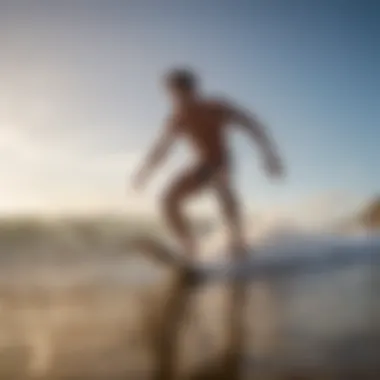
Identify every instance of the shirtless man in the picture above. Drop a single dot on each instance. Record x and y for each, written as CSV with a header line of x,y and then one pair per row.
x,y
204,123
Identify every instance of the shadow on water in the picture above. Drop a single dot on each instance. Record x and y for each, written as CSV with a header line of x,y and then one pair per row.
x,y
228,364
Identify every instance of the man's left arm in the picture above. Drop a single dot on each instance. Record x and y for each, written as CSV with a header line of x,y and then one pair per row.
x,y
259,133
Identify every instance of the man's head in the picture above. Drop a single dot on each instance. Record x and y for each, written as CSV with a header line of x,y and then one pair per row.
x,y
182,84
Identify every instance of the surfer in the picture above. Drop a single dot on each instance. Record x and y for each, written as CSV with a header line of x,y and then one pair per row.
x,y
204,122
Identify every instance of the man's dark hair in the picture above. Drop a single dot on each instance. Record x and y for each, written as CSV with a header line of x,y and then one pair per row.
x,y
183,79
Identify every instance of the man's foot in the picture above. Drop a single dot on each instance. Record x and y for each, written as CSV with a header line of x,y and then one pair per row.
x,y
189,275
239,249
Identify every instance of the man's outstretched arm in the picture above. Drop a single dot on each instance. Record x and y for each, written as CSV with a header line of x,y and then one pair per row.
x,y
260,134
157,154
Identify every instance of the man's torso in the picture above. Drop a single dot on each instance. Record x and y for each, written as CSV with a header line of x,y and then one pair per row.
x,y
204,124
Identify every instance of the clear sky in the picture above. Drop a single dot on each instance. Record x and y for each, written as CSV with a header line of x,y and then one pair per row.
x,y
80,95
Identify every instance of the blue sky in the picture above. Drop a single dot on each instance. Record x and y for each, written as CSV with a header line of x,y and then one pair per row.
x,y
80,98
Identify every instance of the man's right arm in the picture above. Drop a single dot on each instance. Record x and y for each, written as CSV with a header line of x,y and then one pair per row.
x,y
158,152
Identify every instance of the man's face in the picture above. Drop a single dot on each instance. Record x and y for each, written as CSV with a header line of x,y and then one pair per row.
x,y
178,95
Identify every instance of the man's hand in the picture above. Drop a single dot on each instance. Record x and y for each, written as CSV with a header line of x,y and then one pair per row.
x,y
139,180
273,166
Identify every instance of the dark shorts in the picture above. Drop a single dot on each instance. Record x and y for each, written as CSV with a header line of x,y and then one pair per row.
x,y
206,172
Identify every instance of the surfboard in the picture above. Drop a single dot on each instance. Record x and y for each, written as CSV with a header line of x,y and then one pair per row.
x,y
160,252
267,262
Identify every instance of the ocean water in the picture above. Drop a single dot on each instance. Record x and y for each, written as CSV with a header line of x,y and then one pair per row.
x,y
75,302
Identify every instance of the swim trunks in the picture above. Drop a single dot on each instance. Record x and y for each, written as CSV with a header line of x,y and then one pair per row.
x,y
207,172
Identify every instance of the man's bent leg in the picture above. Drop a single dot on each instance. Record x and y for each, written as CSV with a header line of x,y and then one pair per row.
x,y
180,190
231,210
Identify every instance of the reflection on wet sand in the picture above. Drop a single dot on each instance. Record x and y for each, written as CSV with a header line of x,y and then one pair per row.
x,y
95,332
320,327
